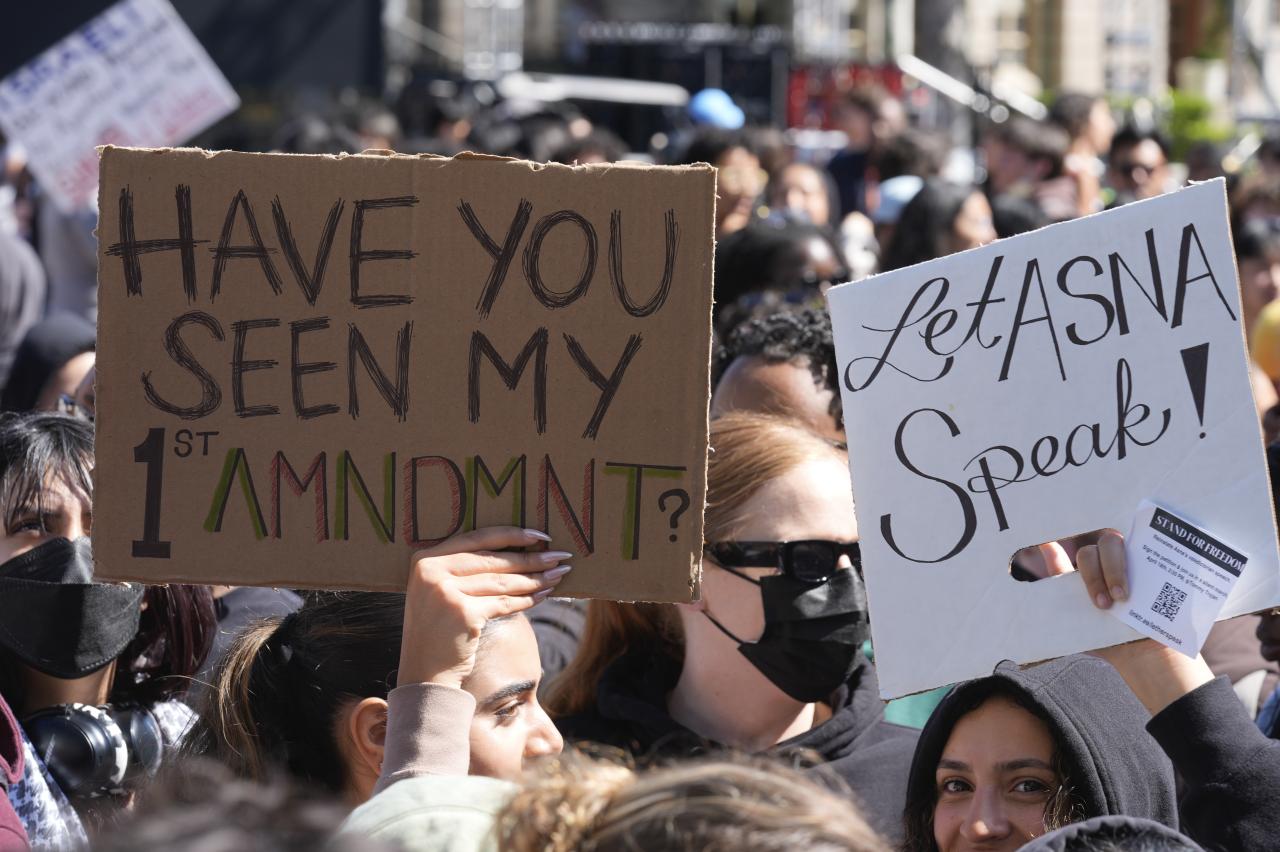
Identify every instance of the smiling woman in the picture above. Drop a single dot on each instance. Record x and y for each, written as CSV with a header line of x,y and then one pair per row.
x,y
1008,757
999,778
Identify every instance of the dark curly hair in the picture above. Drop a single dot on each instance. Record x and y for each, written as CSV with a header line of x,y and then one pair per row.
x,y
785,336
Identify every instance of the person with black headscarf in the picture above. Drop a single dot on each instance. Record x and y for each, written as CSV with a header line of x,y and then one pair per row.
x,y
51,361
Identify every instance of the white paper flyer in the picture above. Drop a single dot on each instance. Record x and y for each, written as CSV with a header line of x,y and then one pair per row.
x,y
1179,578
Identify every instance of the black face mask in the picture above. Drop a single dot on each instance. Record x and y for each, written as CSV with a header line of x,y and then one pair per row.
x,y
812,633
55,619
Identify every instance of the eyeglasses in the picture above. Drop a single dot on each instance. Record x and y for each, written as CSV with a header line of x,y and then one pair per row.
x,y
1128,168
67,404
811,561
840,276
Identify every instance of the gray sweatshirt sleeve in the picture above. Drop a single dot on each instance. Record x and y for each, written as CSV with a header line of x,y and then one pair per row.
x,y
428,732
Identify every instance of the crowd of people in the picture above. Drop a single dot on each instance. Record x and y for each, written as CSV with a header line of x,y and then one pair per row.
x,y
477,710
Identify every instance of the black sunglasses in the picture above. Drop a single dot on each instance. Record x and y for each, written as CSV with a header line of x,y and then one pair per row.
x,y
811,561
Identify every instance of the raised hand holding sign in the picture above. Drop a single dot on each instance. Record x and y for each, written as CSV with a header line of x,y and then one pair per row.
x,y
1032,390
425,345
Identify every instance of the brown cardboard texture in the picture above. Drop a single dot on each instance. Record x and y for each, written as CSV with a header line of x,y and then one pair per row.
x,y
310,367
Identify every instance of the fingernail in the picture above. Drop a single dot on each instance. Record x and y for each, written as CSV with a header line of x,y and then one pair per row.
x,y
553,557
538,534
542,595
556,573
1102,601
1118,593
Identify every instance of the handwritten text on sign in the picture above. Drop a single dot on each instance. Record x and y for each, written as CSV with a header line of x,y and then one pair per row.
x,y
1034,389
310,367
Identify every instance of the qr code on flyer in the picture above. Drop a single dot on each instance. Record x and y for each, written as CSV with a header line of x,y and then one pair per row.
x,y
1168,602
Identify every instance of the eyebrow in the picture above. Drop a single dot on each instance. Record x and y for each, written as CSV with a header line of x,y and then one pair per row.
x,y
44,503
509,691
1007,766
1024,763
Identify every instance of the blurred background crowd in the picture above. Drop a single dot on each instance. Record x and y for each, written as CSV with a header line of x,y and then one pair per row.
x,y
851,136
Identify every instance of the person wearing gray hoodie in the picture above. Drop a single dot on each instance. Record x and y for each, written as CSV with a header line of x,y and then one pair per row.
x,y
1098,759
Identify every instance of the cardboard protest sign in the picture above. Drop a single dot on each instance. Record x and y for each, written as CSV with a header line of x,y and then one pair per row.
x,y
134,75
310,367
1034,389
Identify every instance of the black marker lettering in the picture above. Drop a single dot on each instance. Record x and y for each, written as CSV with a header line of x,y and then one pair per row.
x,y
502,254
299,368
1033,270
397,395
1107,310
309,282
130,248
1184,261
211,394
535,349
533,251
240,366
360,255
659,297
904,322
966,505
608,386
1156,295
224,251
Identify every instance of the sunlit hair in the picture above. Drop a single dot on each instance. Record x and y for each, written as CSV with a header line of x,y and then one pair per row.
x,y
748,450
36,449
572,802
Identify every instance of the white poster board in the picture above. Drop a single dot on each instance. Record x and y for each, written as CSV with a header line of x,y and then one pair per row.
x,y
1034,389
133,76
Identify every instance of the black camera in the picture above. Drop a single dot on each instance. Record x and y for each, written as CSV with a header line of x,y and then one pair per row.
x,y
96,751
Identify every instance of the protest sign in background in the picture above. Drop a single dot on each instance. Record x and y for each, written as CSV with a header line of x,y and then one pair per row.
x,y
1031,390
133,75
309,367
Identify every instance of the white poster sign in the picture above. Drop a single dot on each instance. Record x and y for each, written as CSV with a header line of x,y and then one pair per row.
x,y
133,76
1035,389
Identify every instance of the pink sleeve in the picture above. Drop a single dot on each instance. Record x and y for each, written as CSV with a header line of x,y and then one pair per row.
x,y
428,732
